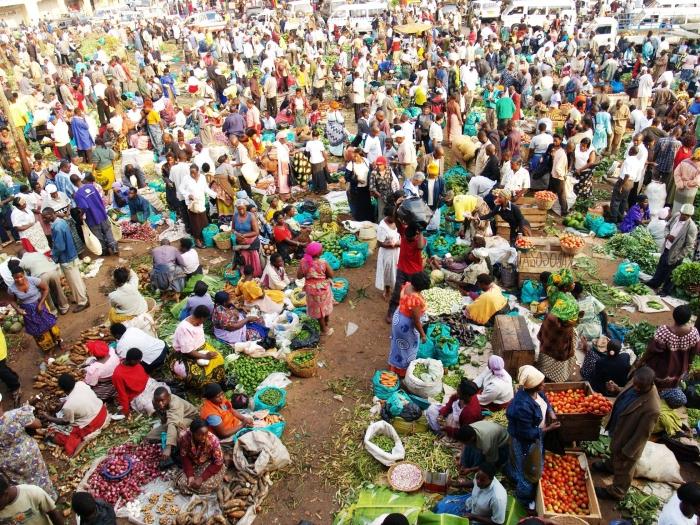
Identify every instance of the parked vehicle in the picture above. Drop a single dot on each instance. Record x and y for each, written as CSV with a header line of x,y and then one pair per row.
x,y
536,12
206,20
358,17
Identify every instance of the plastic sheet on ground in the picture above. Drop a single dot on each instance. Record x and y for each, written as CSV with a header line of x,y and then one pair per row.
x,y
338,201
642,303
94,269
174,231
500,250
139,510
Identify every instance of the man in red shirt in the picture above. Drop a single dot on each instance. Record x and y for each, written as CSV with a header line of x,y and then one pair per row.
x,y
410,261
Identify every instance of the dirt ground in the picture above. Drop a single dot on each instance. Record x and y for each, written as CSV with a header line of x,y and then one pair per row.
x,y
316,407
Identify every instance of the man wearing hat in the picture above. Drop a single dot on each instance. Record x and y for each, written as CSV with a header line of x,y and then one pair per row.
x,y
510,213
681,235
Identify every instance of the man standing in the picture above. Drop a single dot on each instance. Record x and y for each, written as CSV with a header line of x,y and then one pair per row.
x,y
560,168
620,115
270,92
38,265
646,84
681,235
632,421
665,150
88,200
175,414
629,173
64,253
505,109
358,94
406,157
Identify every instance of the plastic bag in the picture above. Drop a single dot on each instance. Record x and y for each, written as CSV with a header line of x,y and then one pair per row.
x,y
276,379
269,452
426,350
353,259
658,463
286,325
332,260
259,404
116,229
448,353
340,287
439,245
434,223
428,385
593,221
92,243
395,403
382,428
627,274
606,229
346,241
381,391
531,292
308,335
414,211
359,246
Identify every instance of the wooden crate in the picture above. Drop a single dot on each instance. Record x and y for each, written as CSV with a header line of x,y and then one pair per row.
x,y
511,340
531,212
576,427
594,518
545,256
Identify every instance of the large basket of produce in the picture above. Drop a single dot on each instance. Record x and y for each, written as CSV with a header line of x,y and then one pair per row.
x,y
523,244
405,477
545,199
302,363
270,398
223,240
571,244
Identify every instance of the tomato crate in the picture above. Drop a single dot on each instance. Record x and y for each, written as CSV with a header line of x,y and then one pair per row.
x,y
576,427
512,341
546,255
594,516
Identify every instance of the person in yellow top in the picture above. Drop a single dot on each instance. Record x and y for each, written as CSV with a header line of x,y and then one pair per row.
x,y
420,96
155,126
302,79
276,205
19,113
489,303
7,375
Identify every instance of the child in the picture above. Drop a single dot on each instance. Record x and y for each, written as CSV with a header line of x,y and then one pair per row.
x,y
199,297
93,511
315,116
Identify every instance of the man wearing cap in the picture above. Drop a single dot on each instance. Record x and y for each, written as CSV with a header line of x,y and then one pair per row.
x,y
681,236
510,213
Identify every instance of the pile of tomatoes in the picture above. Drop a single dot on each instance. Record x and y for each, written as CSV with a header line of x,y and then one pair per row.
x,y
523,243
564,485
575,401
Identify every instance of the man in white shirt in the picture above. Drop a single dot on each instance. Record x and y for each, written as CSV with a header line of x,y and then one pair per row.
x,y
629,174
642,156
646,84
373,145
435,132
358,94
406,157
154,350
539,144
480,185
61,137
516,180
560,167
489,499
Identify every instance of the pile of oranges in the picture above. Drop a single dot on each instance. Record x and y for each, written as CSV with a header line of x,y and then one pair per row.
x,y
575,401
564,485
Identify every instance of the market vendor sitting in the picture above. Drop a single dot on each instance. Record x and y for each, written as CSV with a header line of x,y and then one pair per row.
x,y
167,275
472,265
203,467
175,415
139,208
126,302
133,385
495,385
637,215
199,297
483,441
223,420
489,499
461,409
84,415
490,302
274,275
195,361
101,364
613,365
154,350
268,301
287,245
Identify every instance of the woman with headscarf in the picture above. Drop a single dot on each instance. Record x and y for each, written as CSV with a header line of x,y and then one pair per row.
x,y
407,323
335,130
126,301
686,178
530,416
229,322
247,233
557,335
98,373
283,152
495,385
462,408
382,184
223,184
317,285
195,189
203,465
31,233
637,215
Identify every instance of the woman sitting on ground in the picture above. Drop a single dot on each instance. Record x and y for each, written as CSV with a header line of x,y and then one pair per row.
x,y
461,409
199,297
637,215
203,466
495,384
594,321
133,385
229,322
218,412
98,373
189,258
274,276
612,366
268,301
126,302
194,361
287,246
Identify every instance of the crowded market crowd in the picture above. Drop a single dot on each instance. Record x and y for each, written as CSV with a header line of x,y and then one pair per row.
x,y
435,126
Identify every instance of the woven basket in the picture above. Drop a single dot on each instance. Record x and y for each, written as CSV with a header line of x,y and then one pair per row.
x,y
310,366
572,251
543,204
222,242
410,489
568,520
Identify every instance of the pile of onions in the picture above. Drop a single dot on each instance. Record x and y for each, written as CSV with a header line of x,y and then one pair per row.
x,y
140,232
145,459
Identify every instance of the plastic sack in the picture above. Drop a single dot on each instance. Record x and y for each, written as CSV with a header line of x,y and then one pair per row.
x,y
395,403
259,404
414,211
276,379
434,223
92,243
657,463
593,221
286,325
308,335
439,245
381,391
332,260
607,229
116,229
346,241
340,287
359,246
452,504
426,350
627,274
353,259
208,234
382,428
411,412
230,275
268,451
448,352
531,292
428,385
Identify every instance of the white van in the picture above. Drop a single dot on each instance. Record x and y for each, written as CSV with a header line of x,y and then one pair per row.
x,y
485,9
536,12
358,17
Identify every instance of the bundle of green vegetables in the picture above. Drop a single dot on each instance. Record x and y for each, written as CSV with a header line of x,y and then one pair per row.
x,y
640,508
686,277
638,337
637,246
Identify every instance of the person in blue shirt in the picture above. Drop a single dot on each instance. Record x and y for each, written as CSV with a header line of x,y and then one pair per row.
x,y
89,201
694,108
139,208
64,253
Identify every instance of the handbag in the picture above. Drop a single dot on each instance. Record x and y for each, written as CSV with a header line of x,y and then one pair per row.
x,y
92,243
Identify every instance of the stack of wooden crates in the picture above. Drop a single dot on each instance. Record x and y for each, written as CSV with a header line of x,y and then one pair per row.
x,y
512,341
